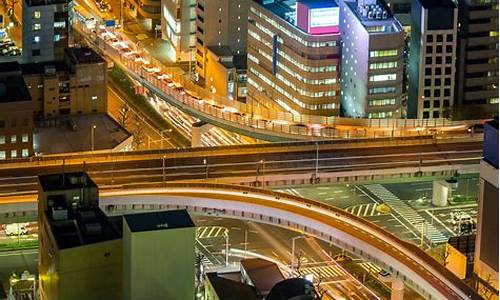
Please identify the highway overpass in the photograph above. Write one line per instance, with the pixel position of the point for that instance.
(257, 122)
(290, 163)
(405, 261)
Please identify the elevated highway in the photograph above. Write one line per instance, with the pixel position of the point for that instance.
(263, 165)
(360, 237)
(257, 122)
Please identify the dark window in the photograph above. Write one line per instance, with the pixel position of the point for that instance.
(437, 93)
(447, 70)
(429, 38)
(446, 103)
(439, 60)
(439, 49)
(449, 37)
(426, 115)
(2, 123)
(449, 49)
(35, 52)
(437, 71)
(447, 81)
(427, 82)
(428, 49)
(427, 104)
(428, 71)
(428, 60)
(437, 81)
(436, 103)
(427, 93)
(435, 114)
(439, 37)
(448, 59)
(446, 92)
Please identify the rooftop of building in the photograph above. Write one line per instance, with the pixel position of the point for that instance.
(293, 288)
(428, 4)
(83, 55)
(375, 16)
(45, 2)
(44, 67)
(161, 220)
(78, 227)
(262, 273)
(228, 59)
(227, 286)
(73, 134)
(318, 3)
(65, 181)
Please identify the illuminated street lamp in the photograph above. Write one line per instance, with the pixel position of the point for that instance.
(163, 168)
(292, 262)
(206, 167)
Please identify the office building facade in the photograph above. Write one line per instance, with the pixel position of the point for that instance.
(220, 23)
(432, 59)
(45, 30)
(486, 254)
(293, 60)
(477, 58)
(178, 28)
(372, 61)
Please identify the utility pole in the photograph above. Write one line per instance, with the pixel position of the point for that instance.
(316, 176)
(92, 137)
(163, 168)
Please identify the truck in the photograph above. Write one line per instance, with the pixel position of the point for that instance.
(16, 229)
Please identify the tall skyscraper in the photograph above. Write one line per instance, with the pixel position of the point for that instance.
(372, 60)
(178, 28)
(220, 23)
(477, 58)
(293, 56)
(432, 58)
(45, 30)
(486, 255)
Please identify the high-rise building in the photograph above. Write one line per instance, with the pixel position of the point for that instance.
(158, 255)
(220, 23)
(45, 30)
(293, 56)
(477, 58)
(178, 28)
(486, 255)
(432, 58)
(372, 60)
(16, 114)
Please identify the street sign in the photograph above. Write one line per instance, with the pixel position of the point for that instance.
(110, 23)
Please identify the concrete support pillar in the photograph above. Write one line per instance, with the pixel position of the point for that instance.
(397, 289)
(197, 130)
(442, 190)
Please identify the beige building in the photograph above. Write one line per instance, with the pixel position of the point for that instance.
(220, 23)
(226, 73)
(75, 86)
(16, 114)
(290, 69)
(80, 248)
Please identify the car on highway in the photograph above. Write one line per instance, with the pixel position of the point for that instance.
(193, 95)
(460, 217)
(16, 229)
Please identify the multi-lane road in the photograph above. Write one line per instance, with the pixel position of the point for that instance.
(250, 161)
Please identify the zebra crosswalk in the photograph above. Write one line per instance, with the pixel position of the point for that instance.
(370, 267)
(290, 191)
(205, 232)
(325, 272)
(408, 213)
(364, 210)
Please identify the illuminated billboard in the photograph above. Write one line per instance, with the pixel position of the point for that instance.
(318, 17)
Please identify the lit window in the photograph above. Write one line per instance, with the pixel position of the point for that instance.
(94, 97)
(2, 155)
(36, 39)
(36, 14)
(383, 53)
(25, 138)
(25, 153)
(57, 37)
(13, 154)
(2, 139)
(383, 77)
(37, 26)
(13, 139)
